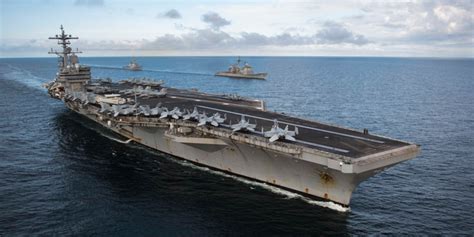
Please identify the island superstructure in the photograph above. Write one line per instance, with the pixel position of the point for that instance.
(228, 132)
(245, 71)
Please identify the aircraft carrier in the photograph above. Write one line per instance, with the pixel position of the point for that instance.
(228, 132)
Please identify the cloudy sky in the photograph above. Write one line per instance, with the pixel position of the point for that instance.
(434, 28)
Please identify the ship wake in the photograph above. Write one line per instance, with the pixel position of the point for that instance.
(24, 77)
(150, 70)
(117, 140)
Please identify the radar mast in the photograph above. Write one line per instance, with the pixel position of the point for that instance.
(71, 77)
(63, 40)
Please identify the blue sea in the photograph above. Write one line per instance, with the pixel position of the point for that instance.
(62, 175)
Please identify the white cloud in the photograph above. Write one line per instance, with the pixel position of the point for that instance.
(200, 39)
(424, 22)
(197, 39)
(172, 14)
(214, 20)
(335, 33)
(369, 27)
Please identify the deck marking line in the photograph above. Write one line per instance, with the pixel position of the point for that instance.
(301, 141)
(299, 126)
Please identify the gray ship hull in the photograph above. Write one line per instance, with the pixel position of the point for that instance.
(132, 68)
(259, 76)
(292, 172)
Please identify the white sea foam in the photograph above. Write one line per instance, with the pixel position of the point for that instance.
(25, 77)
(115, 139)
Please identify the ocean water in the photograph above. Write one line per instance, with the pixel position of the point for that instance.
(63, 175)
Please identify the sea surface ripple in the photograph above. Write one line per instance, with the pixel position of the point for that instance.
(63, 175)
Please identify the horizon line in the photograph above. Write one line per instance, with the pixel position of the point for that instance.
(253, 56)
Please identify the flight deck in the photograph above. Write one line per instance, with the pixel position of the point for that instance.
(342, 141)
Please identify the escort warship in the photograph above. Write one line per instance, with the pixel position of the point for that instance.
(245, 71)
(230, 133)
(133, 66)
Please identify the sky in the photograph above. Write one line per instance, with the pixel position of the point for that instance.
(436, 28)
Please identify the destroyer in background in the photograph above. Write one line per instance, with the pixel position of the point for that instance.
(245, 72)
(133, 66)
(228, 132)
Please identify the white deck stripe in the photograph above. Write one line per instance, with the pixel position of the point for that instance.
(323, 146)
(303, 142)
(299, 126)
(212, 101)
